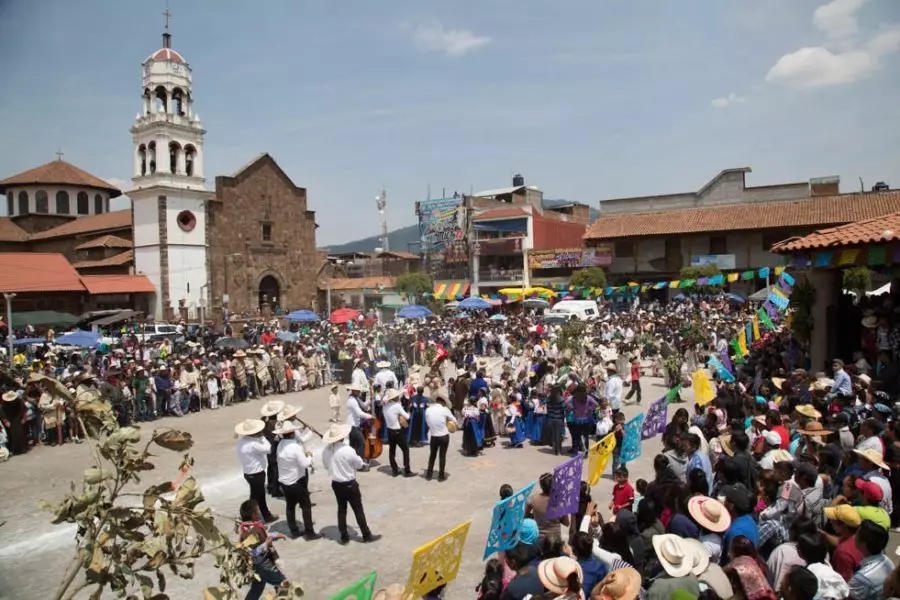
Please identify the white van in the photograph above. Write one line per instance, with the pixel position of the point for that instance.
(586, 310)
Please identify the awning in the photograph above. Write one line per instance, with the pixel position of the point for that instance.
(118, 284)
(449, 290)
(42, 317)
(118, 317)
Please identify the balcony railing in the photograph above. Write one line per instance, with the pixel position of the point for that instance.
(501, 274)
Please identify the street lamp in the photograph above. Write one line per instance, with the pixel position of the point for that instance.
(9, 325)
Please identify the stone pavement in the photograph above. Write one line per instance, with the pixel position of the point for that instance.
(407, 512)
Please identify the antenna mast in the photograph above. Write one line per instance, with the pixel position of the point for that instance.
(381, 203)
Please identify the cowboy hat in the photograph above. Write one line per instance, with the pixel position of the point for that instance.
(391, 394)
(383, 364)
(336, 433)
(676, 557)
(873, 456)
(777, 382)
(554, 573)
(249, 427)
(240, 354)
(814, 428)
(334, 387)
(287, 427)
(354, 387)
(289, 412)
(807, 410)
(700, 553)
(709, 513)
(272, 407)
(10, 396)
(621, 584)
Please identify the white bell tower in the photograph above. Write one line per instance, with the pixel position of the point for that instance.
(169, 196)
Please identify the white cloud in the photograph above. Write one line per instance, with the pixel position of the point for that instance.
(726, 101)
(844, 59)
(838, 18)
(433, 37)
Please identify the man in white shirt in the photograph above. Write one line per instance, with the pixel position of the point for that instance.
(359, 379)
(393, 410)
(612, 391)
(436, 417)
(253, 451)
(355, 417)
(293, 475)
(385, 376)
(342, 464)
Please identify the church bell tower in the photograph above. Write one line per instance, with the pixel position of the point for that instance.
(169, 196)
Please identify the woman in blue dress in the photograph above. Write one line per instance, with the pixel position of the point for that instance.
(473, 434)
(515, 425)
(417, 433)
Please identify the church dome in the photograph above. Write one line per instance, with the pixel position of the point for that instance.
(167, 54)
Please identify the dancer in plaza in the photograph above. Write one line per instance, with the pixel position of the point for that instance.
(342, 464)
(473, 433)
(396, 420)
(417, 434)
(438, 417)
(293, 475)
(253, 451)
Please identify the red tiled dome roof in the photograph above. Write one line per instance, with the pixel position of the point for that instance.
(167, 54)
(59, 172)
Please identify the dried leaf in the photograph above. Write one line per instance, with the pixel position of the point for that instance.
(205, 526)
(178, 441)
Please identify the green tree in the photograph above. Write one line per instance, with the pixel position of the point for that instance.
(857, 278)
(591, 277)
(696, 272)
(413, 285)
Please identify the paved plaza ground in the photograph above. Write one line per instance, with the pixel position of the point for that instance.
(407, 512)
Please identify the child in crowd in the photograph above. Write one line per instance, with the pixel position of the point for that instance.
(623, 493)
(334, 403)
(640, 487)
(263, 552)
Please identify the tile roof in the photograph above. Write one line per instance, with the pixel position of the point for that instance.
(397, 254)
(106, 241)
(111, 221)
(59, 172)
(500, 213)
(819, 210)
(356, 283)
(37, 272)
(10, 232)
(116, 260)
(118, 284)
(867, 231)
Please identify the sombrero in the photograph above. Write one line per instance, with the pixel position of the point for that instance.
(777, 382)
(272, 407)
(814, 428)
(336, 433)
(807, 410)
(709, 513)
(10, 397)
(873, 456)
(249, 427)
(289, 412)
(383, 364)
(286, 427)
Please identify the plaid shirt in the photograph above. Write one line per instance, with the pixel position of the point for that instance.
(868, 581)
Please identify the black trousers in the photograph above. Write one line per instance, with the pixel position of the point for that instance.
(347, 492)
(272, 472)
(397, 437)
(439, 444)
(294, 494)
(635, 389)
(358, 441)
(257, 483)
(557, 432)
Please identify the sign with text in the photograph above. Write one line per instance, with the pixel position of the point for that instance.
(570, 259)
(441, 224)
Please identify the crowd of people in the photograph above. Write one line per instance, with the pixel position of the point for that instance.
(783, 486)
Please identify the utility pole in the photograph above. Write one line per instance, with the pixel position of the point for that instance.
(381, 203)
(9, 324)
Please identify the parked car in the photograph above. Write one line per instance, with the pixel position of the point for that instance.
(156, 332)
(586, 310)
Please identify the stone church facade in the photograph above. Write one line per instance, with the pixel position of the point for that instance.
(262, 242)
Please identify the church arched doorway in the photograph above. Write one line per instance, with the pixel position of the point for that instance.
(269, 291)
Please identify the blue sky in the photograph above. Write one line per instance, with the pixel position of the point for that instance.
(598, 99)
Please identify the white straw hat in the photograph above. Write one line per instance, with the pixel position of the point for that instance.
(336, 433)
(674, 555)
(249, 427)
(272, 407)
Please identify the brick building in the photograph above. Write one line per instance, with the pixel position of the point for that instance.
(262, 241)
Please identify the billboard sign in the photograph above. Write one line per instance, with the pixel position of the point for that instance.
(441, 224)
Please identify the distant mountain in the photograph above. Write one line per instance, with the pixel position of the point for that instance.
(407, 238)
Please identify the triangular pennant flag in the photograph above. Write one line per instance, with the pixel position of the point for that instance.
(766, 321)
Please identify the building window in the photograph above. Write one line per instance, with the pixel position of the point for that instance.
(23, 203)
(41, 202)
(186, 220)
(770, 239)
(62, 202)
(718, 244)
(84, 205)
(624, 249)
(10, 201)
(98, 204)
(267, 232)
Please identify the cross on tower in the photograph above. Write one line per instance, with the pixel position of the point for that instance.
(59, 154)
(167, 14)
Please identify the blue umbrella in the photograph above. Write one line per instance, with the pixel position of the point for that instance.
(26, 341)
(414, 312)
(287, 336)
(735, 298)
(302, 315)
(498, 317)
(84, 339)
(474, 304)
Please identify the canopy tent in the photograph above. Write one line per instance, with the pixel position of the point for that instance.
(449, 290)
(122, 315)
(414, 312)
(885, 289)
(342, 315)
(519, 293)
(302, 316)
(83, 339)
(535, 303)
(41, 318)
(761, 295)
(451, 305)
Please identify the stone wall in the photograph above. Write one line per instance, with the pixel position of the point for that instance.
(239, 258)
